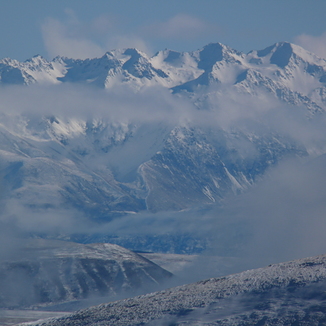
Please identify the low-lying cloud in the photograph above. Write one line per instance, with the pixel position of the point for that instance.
(285, 214)
(84, 102)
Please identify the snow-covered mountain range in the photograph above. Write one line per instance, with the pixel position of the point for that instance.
(205, 163)
(291, 293)
(286, 70)
(283, 69)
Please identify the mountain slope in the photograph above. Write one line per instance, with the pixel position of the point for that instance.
(201, 166)
(290, 293)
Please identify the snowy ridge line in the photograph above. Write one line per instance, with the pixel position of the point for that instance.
(284, 69)
(146, 308)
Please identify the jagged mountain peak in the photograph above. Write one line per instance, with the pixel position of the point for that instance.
(139, 65)
(205, 57)
(281, 53)
(134, 52)
(217, 47)
(36, 57)
(215, 52)
(278, 54)
(125, 54)
(9, 61)
(209, 55)
(214, 63)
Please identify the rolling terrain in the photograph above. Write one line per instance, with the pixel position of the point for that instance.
(291, 293)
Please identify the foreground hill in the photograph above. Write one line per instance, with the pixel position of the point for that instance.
(291, 293)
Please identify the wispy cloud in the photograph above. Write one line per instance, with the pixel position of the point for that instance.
(180, 27)
(58, 41)
(67, 39)
(74, 38)
(315, 44)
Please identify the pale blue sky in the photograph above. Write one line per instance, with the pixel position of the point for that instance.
(82, 28)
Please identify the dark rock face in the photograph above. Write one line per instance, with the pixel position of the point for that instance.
(282, 55)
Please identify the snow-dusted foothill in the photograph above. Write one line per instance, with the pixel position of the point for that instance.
(291, 293)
